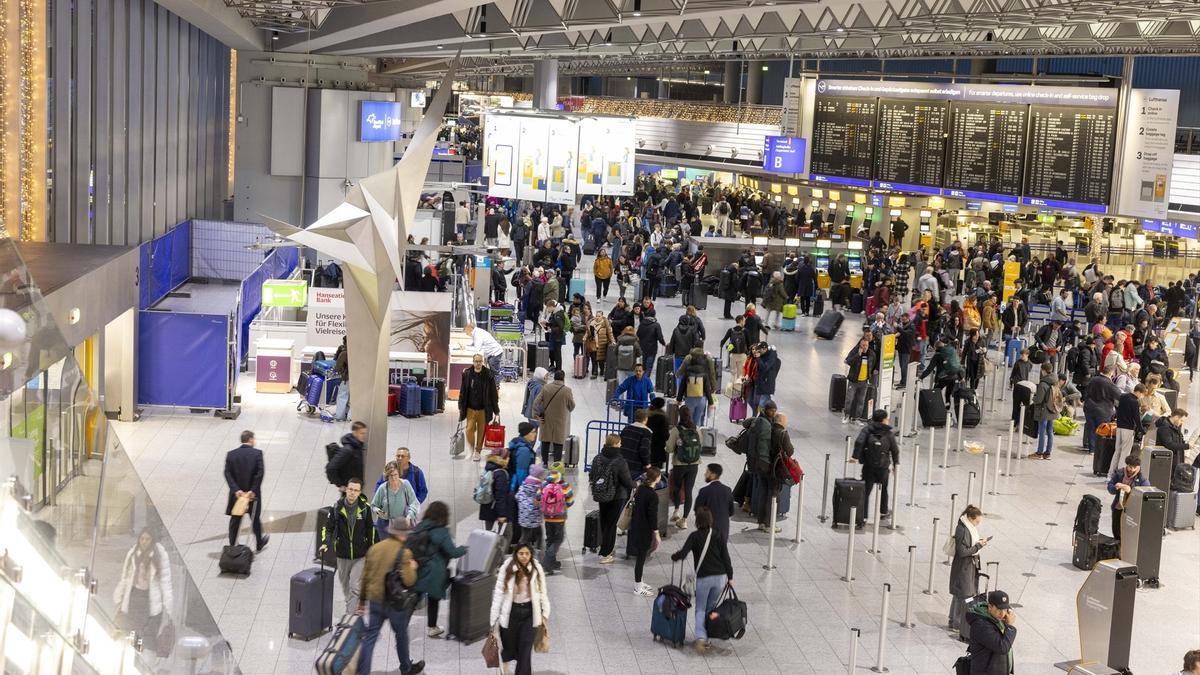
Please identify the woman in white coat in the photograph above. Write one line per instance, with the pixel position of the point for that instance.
(143, 596)
(520, 605)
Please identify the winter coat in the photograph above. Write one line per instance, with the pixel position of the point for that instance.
(502, 595)
(644, 523)
(649, 337)
(347, 462)
(775, 297)
(611, 454)
(754, 329)
(521, 456)
(991, 642)
(161, 594)
(553, 408)
(351, 530)
(503, 503)
(806, 280)
(478, 392)
(433, 578)
(599, 336)
(529, 502)
(1100, 398)
(964, 569)
(532, 389)
(1041, 399)
(768, 372)
(620, 320)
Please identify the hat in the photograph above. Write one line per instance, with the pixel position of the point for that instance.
(998, 599)
(537, 470)
(399, 526)
(525, 427)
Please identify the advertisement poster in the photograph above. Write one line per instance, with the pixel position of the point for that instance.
(380, 121)
(887, 361)
(532, 159)
(326, 322)
(1149, 151)
(500, 137)
(591, 157)
(421, 323)
(618, 143)
(1012, 272)
(562, 148)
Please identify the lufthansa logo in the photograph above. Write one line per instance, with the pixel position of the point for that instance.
(821, 86)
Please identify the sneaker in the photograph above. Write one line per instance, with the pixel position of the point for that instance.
(845, 420)
(681, 523)
(701, 647)
(475, 457)
(416, 668)
(644, 590)
(1034, 455)
(434, 632)
(263, 544)
(605, 560)
(1046, 456)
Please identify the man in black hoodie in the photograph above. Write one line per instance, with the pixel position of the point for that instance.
(478, 403)
(347, 462)
(637, 439)
(877, 451)
(610, 466)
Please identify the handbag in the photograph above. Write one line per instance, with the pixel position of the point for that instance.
(458, 441)
(626, 516)
(241, 506)
(491, 650)
(541, 641)
(949, 546)
(164, 641)
(1106, 429)
(728, 619)
(493, 436)
(689, 578)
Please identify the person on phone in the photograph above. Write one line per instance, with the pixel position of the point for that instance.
(964, 569)
(993, 631)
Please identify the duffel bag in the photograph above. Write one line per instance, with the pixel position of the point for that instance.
(728, 619)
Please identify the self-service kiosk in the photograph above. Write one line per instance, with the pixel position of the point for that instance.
(1104, 610)
(1142, 531)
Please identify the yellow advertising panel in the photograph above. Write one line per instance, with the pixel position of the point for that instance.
(1012, 271)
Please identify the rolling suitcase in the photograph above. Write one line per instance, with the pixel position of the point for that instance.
(310, 603)
(1103, 448)
(664, 376)
(1181, 510)
(931, 408)
(543, 354)
(856, 303)
(848, 492)
(485, 549)
(672, 411)
(312, 395)
(699, 298)
(439, 386)
(580, 367)
(668, 615)
(610, 388)
(818, 305)
(591, 531)
(410, 399)
(829, 324)
(571, 452)
(738, 409)
(664, 509)
(393, 403)
(342, 649)
(470, 605)
(789, 311)
(708, 441)
(787, 325)
(329, 559)
(1089, 549)
(428, 401)
(577, 286)
(971, 414)
(531, 356)
(837, 393)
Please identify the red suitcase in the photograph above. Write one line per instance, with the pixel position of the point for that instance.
(393, 402)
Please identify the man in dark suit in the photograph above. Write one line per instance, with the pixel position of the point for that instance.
(244, 474)
(717, 497)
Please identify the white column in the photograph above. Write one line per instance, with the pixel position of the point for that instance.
(545, 83)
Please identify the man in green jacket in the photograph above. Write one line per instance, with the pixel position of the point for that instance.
(993, 631)
(350, 532)
(761, 461)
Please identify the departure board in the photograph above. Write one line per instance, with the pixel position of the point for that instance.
(1071, 153)
(910, 141)
(987, 148)
(843, 137)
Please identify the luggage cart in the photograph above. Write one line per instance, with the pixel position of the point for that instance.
(322, 400)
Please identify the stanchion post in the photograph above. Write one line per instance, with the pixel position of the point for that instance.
(1008, 463)
(894, 513)
(970, 486)
(883, 625)
(852, 666)
(982, 480)
(996, 471)
(849, 576)
(945, 448)
(1021, 434)
(933, 551)
(958, 436)
(799, 515)
(825, 491)
(932, 444)
(953, 519)
(878, 492)
(912, 480)
(908, 590)
(846, 459)
(771, 542)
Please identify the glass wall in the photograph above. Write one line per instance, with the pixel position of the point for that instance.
(90, 580)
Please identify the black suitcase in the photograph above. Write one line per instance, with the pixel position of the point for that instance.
(310, 603)
(856, 302)
(699, 298)
(932, 408)
(837, 392)
(818, 305)
(439, 385)
(470, 605)
(664, 376)
(329, 559)
(1031, 425)
(829, 324)
(971, 414)
(1089, 549)
(591, 531)
(531, 362)
(236, 559)
(1103, 448)
(848, 492)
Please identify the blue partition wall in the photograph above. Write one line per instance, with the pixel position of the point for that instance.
(166, 263)
(278, 265)
(182, 359)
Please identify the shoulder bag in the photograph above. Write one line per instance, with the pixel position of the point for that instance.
(689, 578)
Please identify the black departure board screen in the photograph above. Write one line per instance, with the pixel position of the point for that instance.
(910, 142)
(987, 148)
(1071, 153)
(843, 137)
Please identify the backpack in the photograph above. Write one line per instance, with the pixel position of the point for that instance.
(737, 340)
(872, 452)
(1073, 359)
(331, 449)
(1116, 299)
(1054, 400)
(723, 208)
(1087, 516)
(483, 489)
(626, 357)
(685, 332)
(554, 501)
(396, 594)
(603, 480)
(1183, 478)
(687, 451)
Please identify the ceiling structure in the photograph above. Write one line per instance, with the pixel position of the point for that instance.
(649, 35)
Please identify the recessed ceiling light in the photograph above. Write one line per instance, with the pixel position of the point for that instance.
(764, 67)
(637, 13)
(841, 30)
(441, 46)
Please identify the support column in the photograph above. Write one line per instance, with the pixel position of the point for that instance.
(545, 83)
(732, 81)
(664, 89)
(980, 67)
(754, 72)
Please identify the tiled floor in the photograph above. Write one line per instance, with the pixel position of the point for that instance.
(801, 612)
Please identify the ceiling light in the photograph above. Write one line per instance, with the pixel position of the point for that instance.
(637, 13)
(441, 46)
(628, 78)
(637, 7)
(841, 30)
(764, 68)
(274, 35)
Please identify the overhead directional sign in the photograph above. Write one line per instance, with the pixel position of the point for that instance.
(284, 293)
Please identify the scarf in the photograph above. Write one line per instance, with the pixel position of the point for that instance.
(970, 529)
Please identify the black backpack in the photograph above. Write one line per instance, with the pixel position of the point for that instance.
(1183, 478)
(331, 449)
(398, 596)
(1087, 516)
(737, 338)
(603, 480)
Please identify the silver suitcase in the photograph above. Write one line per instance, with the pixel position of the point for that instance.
(571, 452)
(485, 549)
(1181, 510)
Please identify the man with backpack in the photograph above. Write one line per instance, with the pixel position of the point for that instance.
(755, 443)
(611, 486)
(736, 343)
(877, 451)
(698, 385)
(555, 498)
(684, 338)
(385, 595)
(346, 461)
(350, 532)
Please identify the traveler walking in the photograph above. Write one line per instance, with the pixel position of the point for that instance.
(555, 499)
(520, 607)
(683, 446)
(643, 536)
(714, 570)
(409, 472)
(394, 499)
(965, 566)
(244, 475)
(348, 461)
(478, 403)
(498, 503)
(529, 514)
(537, 381)
(611, 484)
(717, 498)
(736, 343)
(349, 532)
(433, 577)
(376, 607)
(876, 449)
(552, 409)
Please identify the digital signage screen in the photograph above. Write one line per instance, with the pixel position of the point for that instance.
(379, 121)
(783, 154)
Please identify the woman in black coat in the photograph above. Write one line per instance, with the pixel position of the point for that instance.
(972, 357)
(806, 284)
(964, 570)
(620, 316)
(643, 528)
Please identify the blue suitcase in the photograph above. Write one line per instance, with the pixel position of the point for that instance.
(668, 618)
(410, 399)
(428, 401)
(322, 367)
(577, 286)
(788, 325)
(312, 395)
(1012, 350)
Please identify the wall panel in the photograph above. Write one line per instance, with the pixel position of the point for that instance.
(149, 114)
(102, 124)
(133, 118)
(117, 72)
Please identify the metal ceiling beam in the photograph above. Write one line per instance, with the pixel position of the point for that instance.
(346, 24)
(219, 21)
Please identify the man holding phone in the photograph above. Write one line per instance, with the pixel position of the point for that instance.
(993, 631)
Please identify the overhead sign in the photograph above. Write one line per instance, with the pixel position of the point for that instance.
(783, 154)
(501, 135)
(997, 93)
(284, 293)
(379, 121)
(1149, 152)
(1175, 229)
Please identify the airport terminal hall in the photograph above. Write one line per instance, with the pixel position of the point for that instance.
(599, 337)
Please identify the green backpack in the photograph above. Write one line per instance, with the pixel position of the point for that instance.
(687, 451)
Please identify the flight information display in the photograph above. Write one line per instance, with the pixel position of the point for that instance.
(843, 137)
(1071, 153)
(910, 142)
(987, 148)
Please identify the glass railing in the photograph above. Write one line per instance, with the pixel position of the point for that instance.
(90, 579)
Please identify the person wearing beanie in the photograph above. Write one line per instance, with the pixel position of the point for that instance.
(555, 497)
(536, 382)
(529, 513)
(521, 454)
(503, 506)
